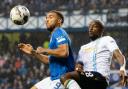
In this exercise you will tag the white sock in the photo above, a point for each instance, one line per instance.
(72, 84)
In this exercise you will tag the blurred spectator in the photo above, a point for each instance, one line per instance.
(17, 63)
(2, 61)
(39, 7)
(45, 44)
(4, 43)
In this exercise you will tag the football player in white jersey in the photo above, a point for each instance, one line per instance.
(94, 60)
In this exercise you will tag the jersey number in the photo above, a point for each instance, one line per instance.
(89, 74)
(58, 84)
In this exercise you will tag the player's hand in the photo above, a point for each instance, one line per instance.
(79, 67)
(34, 52)
(124, 78)
(25, 48)
(41, 50)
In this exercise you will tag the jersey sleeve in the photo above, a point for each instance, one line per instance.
(60, 38)
(111, 44)
(79, 58)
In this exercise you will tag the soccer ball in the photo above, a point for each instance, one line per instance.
(19, 14)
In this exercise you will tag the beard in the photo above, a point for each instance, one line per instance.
(94, 37)
(50, 29)
(52, 26)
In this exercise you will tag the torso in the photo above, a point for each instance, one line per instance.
(97, 55)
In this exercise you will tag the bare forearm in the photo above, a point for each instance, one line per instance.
(120, 58)
(42, 58)
(57, 52)
(61, 51)
(122, 63)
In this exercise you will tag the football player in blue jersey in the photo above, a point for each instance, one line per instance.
(59, 55)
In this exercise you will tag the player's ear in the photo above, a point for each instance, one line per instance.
(60, 21)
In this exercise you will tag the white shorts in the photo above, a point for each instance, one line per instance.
(47, 83)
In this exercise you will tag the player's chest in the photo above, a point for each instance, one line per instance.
(52, 44)
(92, 48)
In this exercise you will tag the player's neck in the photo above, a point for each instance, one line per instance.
(54, 29)
(95, 38)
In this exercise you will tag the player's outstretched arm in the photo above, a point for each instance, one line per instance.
(28, 49)
(121, 59)
(61, 51)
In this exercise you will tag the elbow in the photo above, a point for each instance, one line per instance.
(46, 62)
(65, 54)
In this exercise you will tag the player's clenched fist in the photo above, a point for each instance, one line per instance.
(124, 78)
(26, 48)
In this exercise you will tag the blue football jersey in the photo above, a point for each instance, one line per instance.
(59, 66)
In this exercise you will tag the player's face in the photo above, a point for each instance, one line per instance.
(94, 30)
(51, 21)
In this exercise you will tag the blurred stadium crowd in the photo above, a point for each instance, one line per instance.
(18, 71)
(39, 7)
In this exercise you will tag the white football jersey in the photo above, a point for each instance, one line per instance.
(97, 55)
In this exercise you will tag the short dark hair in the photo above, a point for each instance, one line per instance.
(59, 14)
(99, 23)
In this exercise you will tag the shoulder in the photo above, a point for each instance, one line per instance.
(108, 41)
(60, 30)
(107, 38)
(84, 46)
